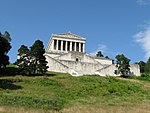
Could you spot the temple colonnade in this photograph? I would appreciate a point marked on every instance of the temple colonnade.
(64, 45)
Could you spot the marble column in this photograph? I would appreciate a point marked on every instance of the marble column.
(83, 48)
(75, 46)
(61, 45)
(70, 46)
(79, 47)
(52, 46)
(56, 44)
(66, 46)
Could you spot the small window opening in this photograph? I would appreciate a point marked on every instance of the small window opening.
(77, 59)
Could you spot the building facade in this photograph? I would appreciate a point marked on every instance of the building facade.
(66, 53)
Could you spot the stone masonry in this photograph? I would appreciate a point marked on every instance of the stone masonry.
(66, 53)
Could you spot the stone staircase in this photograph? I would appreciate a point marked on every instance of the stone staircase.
(73, 72)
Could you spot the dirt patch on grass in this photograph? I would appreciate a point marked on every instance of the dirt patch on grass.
(142, 108)
(1, 109)
(146, 85)
(6, 109)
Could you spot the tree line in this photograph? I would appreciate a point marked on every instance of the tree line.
(144, 66)
(30, 60)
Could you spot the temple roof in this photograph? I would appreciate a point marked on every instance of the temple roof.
(68, 35)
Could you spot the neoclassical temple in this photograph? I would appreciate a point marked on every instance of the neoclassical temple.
(66, 42)
(66, 53)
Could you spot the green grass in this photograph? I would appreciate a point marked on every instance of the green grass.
(12, 65)
(59, 91)
(143, 77)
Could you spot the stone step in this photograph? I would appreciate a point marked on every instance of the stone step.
(74, 72)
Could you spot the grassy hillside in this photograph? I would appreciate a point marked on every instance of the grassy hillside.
(64, 93)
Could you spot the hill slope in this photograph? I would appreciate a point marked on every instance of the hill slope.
(62, 92)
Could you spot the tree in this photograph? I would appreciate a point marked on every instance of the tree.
(99, 54)
(122, 65)
(107, 57)
(6, 35)
(38, 61)
(4, 49)
(23, 60)
(32, 61)
(147, 66)
(142, 65)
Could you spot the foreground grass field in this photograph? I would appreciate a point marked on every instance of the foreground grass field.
(64, 93)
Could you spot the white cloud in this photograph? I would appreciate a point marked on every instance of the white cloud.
(143, 38)
(101, 47)
(143, 2)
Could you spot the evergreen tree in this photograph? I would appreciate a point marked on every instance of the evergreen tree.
(38, 61)
(23, 60)
(32, 61)
(4, 49)
(122, 64)
(6, 35)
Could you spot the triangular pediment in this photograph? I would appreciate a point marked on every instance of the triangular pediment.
(69, 35)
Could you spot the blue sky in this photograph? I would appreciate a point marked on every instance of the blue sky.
(111, 26)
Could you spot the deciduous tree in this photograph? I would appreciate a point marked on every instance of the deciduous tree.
(107, 57)
(122, 64)
(99, 54)
(142, 65)
(147, 66)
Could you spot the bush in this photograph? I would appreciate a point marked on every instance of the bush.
(9, 71)
(144, 77)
